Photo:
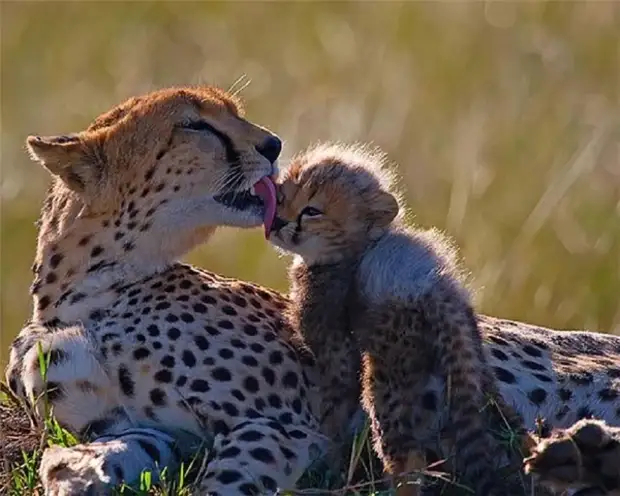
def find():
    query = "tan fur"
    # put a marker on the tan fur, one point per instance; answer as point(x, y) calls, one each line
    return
point(406, 335)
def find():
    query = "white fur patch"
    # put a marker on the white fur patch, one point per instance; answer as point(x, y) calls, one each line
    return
point(406, 264)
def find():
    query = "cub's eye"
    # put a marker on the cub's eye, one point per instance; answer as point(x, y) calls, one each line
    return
point(311, 212)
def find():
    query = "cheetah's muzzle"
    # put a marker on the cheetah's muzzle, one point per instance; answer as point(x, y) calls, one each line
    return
point(262, 195)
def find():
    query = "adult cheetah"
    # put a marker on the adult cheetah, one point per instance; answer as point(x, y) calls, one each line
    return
point(145, 351)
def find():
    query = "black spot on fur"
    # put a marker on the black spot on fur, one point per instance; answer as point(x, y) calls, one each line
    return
point(163, 375)
point(290, 380)
point(187, 317)
point(153, 330)
point(200, 386)
point(221, 374)
point(225, 324)
point(251, 436)
point(257, 347)
point(262, 455)
point(126, 381)
point(168, 361)
point(188, 358)
point(158, 397)
point(174, 333)
point(55, 260)
point(44, 302)
point(532, 365)
point(504, 375)
point(201, 342)
point(251, 384)
point(268, 375)
point(141, 353)
point(537, 396)
point(249, 360)
point(296, 434)
point(96, 251)
point(543, 378)
point(226, 354)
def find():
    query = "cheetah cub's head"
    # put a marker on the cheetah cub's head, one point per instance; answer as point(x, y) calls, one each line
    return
point(332, 201)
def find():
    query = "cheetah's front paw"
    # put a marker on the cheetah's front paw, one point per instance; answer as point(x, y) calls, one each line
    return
point(584, 455)
point(75, 471)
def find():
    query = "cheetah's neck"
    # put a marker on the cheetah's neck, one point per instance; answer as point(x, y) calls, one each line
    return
point(82, 262)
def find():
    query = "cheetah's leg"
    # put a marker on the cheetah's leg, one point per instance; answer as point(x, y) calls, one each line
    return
point(59, 371)
point(260, 456)
point(584, 455)
point(97, 467)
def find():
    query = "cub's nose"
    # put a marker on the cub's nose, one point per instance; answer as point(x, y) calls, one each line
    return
point(270, 148)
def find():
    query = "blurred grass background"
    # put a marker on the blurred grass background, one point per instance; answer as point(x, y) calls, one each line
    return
point(503, 118)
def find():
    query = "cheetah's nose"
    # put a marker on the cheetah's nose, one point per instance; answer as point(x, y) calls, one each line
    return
point(270, 148)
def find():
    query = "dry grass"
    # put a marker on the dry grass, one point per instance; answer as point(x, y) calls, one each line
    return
point(17, 437)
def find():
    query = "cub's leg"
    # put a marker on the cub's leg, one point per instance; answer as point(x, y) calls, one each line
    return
point(260, 456)
point(586, 455)
point(387, 394)
point(60, 372)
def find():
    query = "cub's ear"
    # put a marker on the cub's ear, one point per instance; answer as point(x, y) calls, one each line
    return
point(70, 158)
point(384, 209)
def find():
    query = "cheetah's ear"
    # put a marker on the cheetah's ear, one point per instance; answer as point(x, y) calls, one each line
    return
point(384, 209)
point(70, 158)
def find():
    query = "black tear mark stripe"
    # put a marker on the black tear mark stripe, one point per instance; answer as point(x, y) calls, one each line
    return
point(233, 157)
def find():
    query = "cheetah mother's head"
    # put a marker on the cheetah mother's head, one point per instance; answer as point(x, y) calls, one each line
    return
point(173, 162)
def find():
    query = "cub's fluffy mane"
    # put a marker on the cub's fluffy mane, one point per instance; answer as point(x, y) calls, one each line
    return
point(405, 264)
point(407, 261)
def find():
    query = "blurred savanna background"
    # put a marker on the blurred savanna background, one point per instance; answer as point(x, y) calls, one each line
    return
point(503, 118)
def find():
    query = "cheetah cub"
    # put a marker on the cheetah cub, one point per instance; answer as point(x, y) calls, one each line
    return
point(362, 283)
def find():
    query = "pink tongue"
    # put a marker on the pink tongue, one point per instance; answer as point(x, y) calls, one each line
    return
point(266, 190)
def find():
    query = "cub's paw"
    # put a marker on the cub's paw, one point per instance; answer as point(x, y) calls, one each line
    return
point(586, 455)
point(75, 471)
